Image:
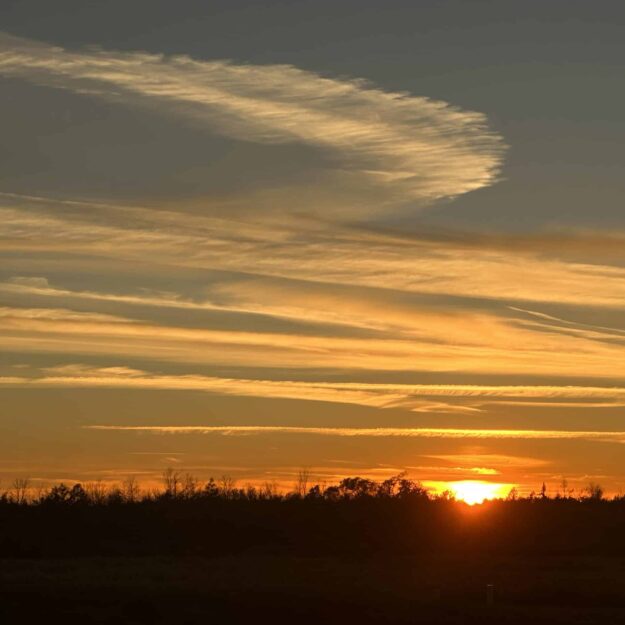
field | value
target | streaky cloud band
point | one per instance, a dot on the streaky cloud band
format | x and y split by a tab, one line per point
422	398
227	430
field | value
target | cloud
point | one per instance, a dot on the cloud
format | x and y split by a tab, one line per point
480	343
10	315
418	149
422	398
382	432
420	339
500	461
309	252
27	283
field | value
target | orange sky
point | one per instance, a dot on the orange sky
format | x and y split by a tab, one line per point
232	262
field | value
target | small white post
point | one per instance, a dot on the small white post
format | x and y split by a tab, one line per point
490	594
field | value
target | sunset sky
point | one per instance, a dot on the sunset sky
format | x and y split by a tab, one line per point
350	236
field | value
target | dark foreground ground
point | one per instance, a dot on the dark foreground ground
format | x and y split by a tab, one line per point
359	553
287	589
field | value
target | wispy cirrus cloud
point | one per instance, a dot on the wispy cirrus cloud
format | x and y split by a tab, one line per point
499	461
310	252
479	342
424	398
420	149
382	432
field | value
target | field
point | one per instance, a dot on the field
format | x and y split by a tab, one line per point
281	588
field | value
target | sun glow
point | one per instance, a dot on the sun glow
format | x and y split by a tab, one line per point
474	491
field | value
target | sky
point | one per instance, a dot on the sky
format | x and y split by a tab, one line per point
352	237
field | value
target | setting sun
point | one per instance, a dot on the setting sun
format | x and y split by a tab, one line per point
474	491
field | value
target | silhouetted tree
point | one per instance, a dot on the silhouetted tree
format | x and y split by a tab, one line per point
513	494
301	485
20	490
315	492
171	482
63	494
130	490
594	491
411	490
228	489
210	489
352	487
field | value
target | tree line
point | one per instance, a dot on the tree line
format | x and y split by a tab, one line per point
356	517
181	486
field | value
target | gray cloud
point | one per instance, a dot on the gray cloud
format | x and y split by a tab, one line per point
416	149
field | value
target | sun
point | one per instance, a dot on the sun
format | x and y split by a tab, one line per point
475	491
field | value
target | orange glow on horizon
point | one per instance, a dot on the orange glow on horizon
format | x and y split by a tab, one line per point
473	491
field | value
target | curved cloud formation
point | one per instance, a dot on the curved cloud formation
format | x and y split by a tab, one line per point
417	149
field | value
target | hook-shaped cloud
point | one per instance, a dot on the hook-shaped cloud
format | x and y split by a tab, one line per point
416	149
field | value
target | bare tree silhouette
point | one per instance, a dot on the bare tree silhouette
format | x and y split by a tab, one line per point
20	490
171	482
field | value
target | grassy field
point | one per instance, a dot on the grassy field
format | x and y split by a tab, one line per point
312	590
